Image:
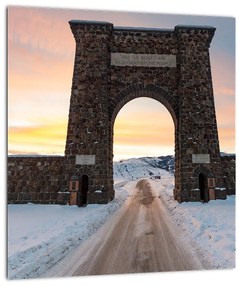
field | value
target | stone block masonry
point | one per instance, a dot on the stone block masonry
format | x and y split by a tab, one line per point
229	173
35	179
38	180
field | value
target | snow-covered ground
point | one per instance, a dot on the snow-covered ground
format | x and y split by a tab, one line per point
40	235
209	227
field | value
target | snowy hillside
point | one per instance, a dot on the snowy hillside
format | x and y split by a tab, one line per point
136	168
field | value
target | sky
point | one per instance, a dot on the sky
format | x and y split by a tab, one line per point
41	51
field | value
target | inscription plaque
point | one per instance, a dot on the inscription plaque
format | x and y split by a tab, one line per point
201	158
85	159
148	60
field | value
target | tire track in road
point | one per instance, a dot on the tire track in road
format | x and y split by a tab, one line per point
142	240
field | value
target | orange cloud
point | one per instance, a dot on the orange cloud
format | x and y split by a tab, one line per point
39	139
148	133
40	51
227	139
143	127
36	71
42	29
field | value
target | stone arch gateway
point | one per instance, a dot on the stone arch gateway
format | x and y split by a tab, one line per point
114	65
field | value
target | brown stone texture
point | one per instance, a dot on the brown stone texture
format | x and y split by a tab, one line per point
197	120
34	179
229	173
88	130
100	90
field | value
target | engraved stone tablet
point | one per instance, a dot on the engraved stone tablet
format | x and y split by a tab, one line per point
85	159
148	60
201	158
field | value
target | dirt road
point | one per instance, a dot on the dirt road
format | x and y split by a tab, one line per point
141	238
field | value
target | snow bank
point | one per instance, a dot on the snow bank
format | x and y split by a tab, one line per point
209	227
40	235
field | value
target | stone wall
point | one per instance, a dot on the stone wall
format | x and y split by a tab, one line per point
229	171
35	179
38	180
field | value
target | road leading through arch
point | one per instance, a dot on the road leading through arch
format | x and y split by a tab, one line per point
137	239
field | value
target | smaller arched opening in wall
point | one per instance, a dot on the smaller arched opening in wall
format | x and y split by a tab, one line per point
203	187
83	191
205	184
79	187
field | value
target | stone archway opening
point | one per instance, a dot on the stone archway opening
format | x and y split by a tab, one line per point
143	127
158	95
121	64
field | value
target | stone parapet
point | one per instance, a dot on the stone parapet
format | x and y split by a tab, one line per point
34	179
228	163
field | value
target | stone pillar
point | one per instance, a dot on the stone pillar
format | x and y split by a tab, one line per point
198	135
86	151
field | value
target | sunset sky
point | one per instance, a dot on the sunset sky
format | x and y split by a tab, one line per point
41	51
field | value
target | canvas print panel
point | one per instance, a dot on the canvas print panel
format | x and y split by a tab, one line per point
122	160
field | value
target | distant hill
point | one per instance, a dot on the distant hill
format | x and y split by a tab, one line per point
135	168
